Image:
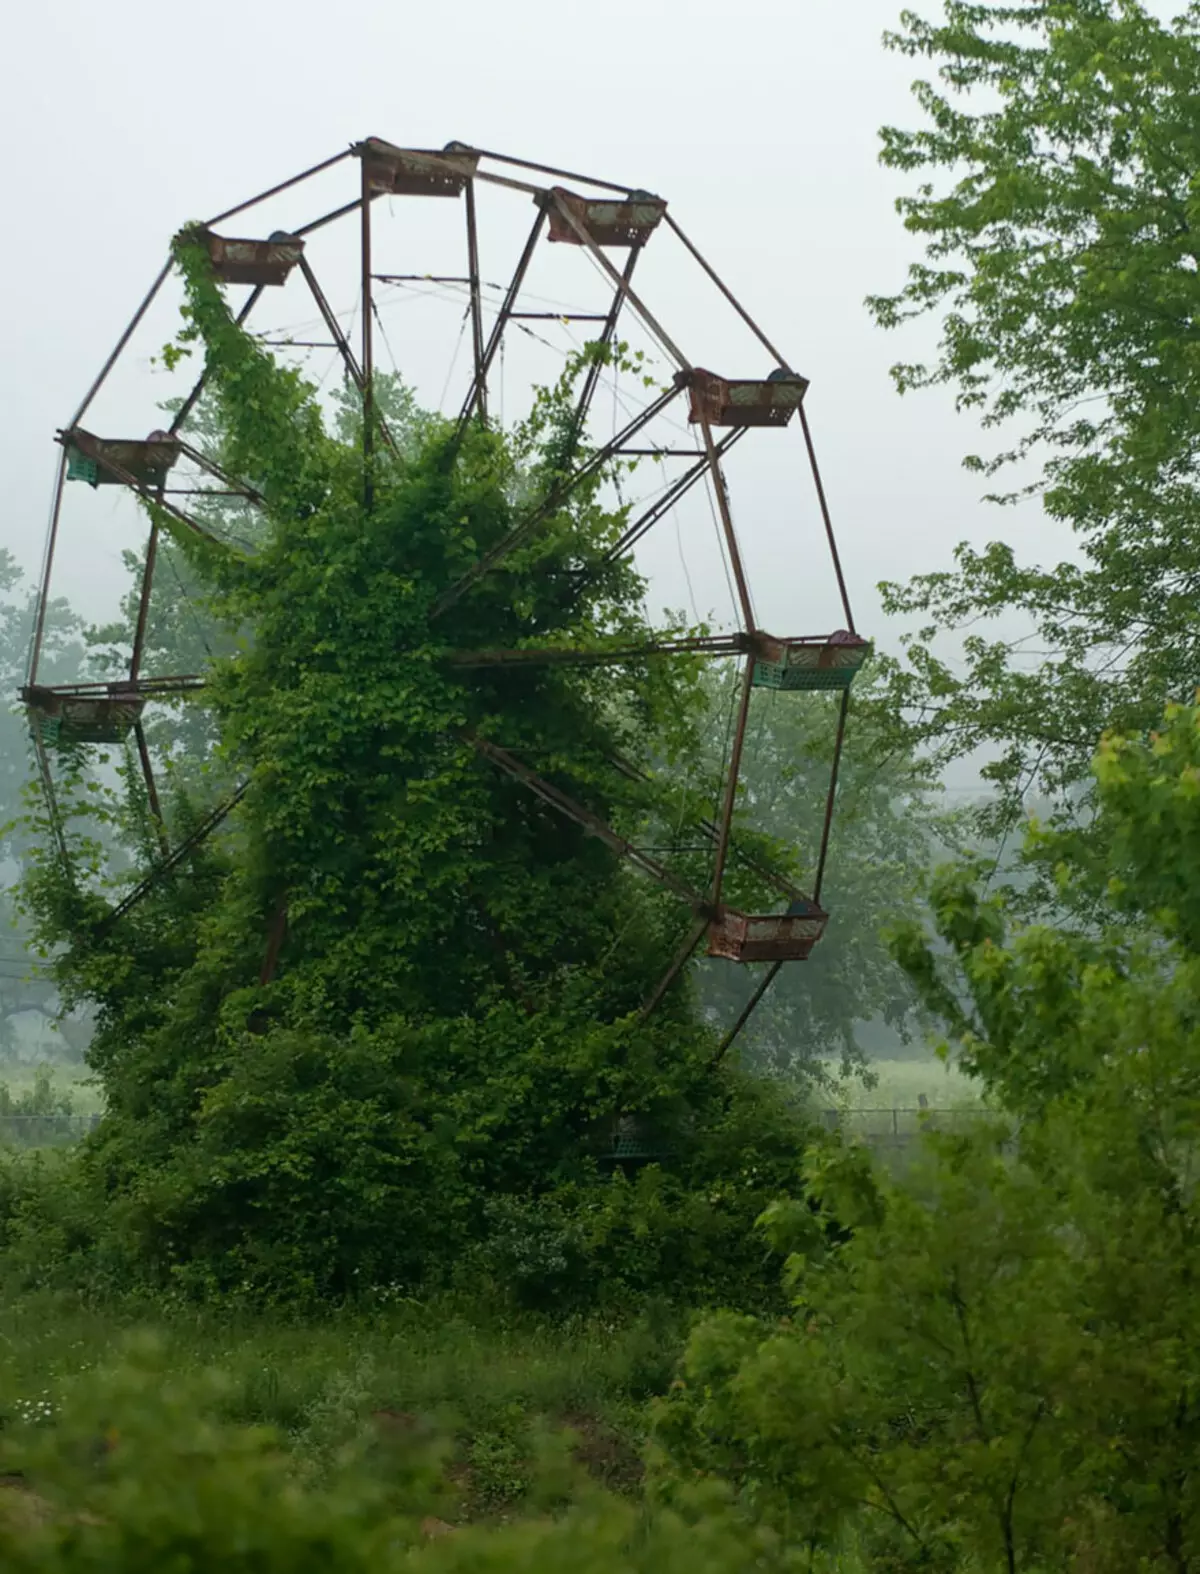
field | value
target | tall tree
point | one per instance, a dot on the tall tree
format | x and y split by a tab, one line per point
994	1365
1057	207
25	987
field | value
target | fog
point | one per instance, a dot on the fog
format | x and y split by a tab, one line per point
757	122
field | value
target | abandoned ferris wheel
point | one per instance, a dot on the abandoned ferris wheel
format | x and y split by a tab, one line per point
689	428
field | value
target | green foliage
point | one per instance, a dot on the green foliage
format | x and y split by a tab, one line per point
994	1364
403	1440
1056	207
380	1029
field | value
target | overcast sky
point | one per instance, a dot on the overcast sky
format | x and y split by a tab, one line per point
757	120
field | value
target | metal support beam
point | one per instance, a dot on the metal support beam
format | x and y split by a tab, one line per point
327	218
284	185
829	801
353	370
43	600
714	645
680	960
633	533
731	543
51	797
571	809
557	497
480	381
368	350
121	343
729	296
606	335
139	733
189	403
237	488
735	765
649	320
746	1013
829	535
189	844
549	169
139	633
477	393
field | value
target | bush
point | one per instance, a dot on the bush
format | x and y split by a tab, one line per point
135	1473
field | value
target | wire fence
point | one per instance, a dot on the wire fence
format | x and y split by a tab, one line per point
896	1126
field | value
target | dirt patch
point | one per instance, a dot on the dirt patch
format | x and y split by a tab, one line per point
20	1506
608	1458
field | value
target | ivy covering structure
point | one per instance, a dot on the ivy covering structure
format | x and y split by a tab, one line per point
442	715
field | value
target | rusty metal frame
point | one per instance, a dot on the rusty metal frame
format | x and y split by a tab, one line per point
549	169
284	185
142	688
558	495
571	809
135	661
725	827
102	375
476	300
237	488
327	218
368	346
713	645
477	393
835	767
51	797
745	1014
39	622
727	293
583	404
189	403
649	321
160	825
189	844
731	542
155	500
633	533
678	962
827	519
342	344
707	461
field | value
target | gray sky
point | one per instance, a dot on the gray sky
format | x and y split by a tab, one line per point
757	121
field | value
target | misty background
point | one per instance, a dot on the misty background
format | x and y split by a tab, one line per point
757	122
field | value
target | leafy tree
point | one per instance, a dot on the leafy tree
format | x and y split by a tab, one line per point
1057	209
995	1366
23	987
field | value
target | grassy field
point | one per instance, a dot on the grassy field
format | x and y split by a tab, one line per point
900	1084
487	1393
